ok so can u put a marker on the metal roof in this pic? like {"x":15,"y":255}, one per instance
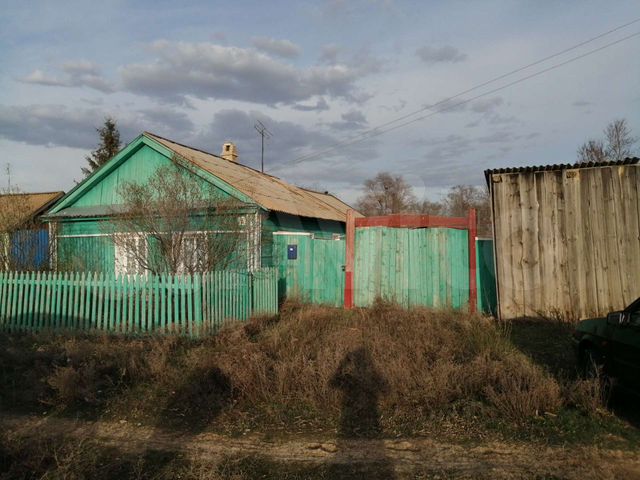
{"x":561,"y":166}
{"x":268,"y":191}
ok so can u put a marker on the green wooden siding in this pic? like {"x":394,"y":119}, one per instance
{"x":138,"y":168}
{"x":283,"y":222}
{"x":486,"y":277}
{"x":316,"y":275}
{"x":427,"y":266}
{"x":85,"y":254}
{"x":134,"y":304}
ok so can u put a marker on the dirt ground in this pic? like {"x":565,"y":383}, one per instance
{"x":390,"y":458}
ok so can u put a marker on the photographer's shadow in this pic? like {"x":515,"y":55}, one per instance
{"x":361,"y":386}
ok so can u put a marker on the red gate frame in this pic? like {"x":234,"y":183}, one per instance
{"x":469,"y":223}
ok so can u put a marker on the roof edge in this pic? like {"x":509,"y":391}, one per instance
{"x":558,"y":167}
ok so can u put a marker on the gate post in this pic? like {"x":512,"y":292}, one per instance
{"x":349,"y":259}
{"x":473,"y":233}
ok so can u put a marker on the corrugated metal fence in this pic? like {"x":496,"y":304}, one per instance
{"x":187,"y":305}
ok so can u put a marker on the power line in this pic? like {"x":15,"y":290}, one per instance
{"x":379,"y":130}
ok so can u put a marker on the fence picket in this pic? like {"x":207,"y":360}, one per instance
{"x":189,"y":305}
{"x":20,"y":301}
{"x":30,"y":298}
{"x":10,"y":301}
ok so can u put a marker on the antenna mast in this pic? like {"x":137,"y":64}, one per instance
{"x":262,"y":130}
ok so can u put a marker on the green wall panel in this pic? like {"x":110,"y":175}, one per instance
{"x":283,"y":222}
{"x":138,"y":168}
{"x":85,"y":254}
{"x":316,"y":275}
{"x":486,"y":277}
{"x":427,"y":266}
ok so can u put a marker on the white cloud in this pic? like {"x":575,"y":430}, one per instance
{"x":209,"y":71}
{"x":281,"y":48}
{"x":58,"y":125}
{"x":76,"y":74}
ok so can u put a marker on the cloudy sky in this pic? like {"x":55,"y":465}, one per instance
{"x":316,"y":74}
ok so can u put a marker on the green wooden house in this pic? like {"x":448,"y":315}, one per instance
{"x":268,"y":206}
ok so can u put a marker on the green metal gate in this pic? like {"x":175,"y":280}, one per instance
{"x":310,"y":269}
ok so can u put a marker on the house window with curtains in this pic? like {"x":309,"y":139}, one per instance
{"x":194,"y":253}
{"x":128,"y":253}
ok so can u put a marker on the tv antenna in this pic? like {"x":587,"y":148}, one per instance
{"x":262,"y":130}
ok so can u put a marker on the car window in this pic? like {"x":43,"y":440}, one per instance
{"x":634,"y":319}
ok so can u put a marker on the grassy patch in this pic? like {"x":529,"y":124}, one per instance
{"x":361,"y":373}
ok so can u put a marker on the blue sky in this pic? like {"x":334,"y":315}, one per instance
{"x":315,"y":73}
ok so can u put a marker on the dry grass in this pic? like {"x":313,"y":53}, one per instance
{"x":299,"y":369}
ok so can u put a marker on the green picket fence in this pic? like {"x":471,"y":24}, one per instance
{"x":134,"y":304}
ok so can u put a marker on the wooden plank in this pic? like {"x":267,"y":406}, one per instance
{"x":74,"y":294}
{"x":197,"y":303}
{"x":412,"y":221}
{"x":473,"y":233}
{"x":20,"y":299}
{"x":118,"y":320}
{"x":590,"y":254}
{"x":3,"y":300}
{"x":513,"y":289}
{"x":163,"y":303}
{"x":574,"y":241}
{"x":11,"y":301}
{"x":171,"y":317}
{"x":46,"y":302}
{"x":30,"y":294}
{"x":611,"y":208}
{"x":155,"y":314}
{"x":349,"y":260}
{"x":103,"y":300}
{"x":184,"y":320}
{"x":629,"y":224}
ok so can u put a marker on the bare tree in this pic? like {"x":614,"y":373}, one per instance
{"x":429,"y":207}
{"x":619,"y":140}
{"x":618,"y":144}
{"x":592,"y":151}
{"x":386,"y":194}
{"x":177,"y":223}
{"x":461,"y":198}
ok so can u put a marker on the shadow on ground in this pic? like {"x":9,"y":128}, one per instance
{"x":197,"y":401}
{"x":548,"y":343}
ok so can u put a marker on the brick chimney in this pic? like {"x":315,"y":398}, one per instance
{"x":229,"y":151}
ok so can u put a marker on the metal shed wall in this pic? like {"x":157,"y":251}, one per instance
{"x":567,"y":241}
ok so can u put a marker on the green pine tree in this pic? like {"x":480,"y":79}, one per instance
{"x":109,"y":146}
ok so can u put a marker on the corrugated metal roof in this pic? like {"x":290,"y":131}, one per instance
{"x":561,"y":166}
{"x":31,"y":204}
{"x":268,"y":191}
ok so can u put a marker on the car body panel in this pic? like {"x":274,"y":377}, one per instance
{"x":618,"y":345}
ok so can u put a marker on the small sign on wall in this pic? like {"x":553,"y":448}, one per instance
{"x":292,"y":252}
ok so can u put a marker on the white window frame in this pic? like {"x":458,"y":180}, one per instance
{"x":193,"y":238}
{"x":126,"y":264}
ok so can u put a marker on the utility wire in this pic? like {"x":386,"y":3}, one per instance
{"x":379,"y":130}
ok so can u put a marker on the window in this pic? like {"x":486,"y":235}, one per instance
{"x":130,"y":249}
{"x":194,"y":253}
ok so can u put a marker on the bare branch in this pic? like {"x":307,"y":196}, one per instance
{"x":176,"y":223}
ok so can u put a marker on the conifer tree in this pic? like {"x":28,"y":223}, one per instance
{"x":108,"y":147}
